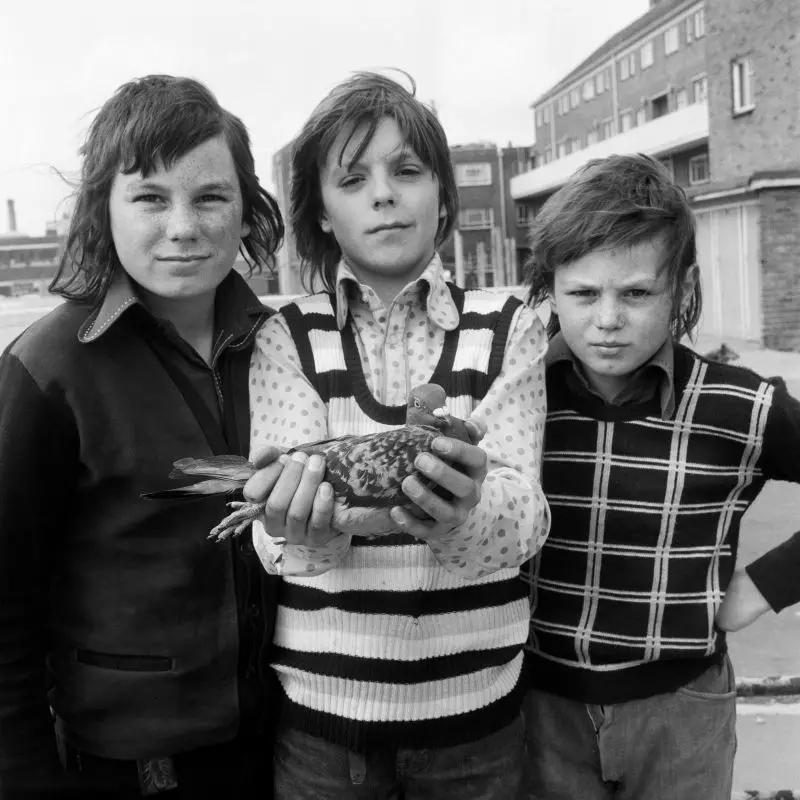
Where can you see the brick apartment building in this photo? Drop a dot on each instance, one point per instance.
(710, 88)
(490, 230)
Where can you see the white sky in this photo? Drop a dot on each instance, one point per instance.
(270, 62)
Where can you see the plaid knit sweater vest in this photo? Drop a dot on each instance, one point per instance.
(645, 528)
(388, 648)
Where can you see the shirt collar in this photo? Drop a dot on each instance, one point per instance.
(430, 290)
(237, 308)
(660, 367)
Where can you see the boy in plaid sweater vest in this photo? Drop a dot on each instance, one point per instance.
(652, 455)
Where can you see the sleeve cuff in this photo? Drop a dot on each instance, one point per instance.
(775, 574)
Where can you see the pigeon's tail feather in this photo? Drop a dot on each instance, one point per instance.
(235, 468)
(200, 489)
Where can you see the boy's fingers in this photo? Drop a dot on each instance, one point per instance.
(319, 526)
(265, 456)
(282, 494)
(258, 487)
(476, 428)
(469, 456)
(444, 475)
(302, 501)
(439, 510)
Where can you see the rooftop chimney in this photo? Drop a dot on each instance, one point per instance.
(12, 217)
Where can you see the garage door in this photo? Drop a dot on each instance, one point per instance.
(729, 259)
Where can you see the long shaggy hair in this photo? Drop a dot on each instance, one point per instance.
(148, 123)
(356, 107)
(612, 203)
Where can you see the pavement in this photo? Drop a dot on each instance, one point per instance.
(766, 656)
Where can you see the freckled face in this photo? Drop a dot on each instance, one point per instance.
(383, 209)
(177, 231)
(615, 309)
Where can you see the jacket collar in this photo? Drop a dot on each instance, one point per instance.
(238, 311)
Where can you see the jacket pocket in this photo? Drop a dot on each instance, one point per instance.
(124, 662)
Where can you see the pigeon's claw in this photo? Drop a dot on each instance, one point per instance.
(238, 521)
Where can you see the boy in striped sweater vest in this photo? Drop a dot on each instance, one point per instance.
(400, 656)
(652, 456)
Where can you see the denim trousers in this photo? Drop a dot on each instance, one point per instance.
(310, 768)
(667, 747)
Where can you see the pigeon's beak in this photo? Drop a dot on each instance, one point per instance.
(443, 415)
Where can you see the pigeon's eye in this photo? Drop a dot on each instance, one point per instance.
(417, 403)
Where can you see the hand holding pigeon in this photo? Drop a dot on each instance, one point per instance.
(366, 472)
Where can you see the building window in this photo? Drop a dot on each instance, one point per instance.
(742, 78)
(671, 40)
(562, 105)
(646, 54)
(624, 74)
(698, 170)
(689, 29)
(625, 121)
(641, 116)
(605, 128)
(588, 89)
(592, 138)
(539, 118)
(699, 20)
(600, 82)
(522, 214)
(632, 64)
(548, 155)
(472, 219)
(700, 89)
(561, 150)
(682, 98)
(474, 174)
(546, 114)
(575, 98)
(659, 106)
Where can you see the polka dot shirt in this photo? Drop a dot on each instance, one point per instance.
(399, 348)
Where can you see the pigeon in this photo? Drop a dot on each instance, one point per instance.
(723, 354)
(366, 472)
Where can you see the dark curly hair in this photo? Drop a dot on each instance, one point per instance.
(149, 122)
(361, 101)
(610, 203)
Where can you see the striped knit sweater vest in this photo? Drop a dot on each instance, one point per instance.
(645, 527)
(388, 648)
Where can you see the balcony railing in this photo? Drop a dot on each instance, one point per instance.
(659, 137)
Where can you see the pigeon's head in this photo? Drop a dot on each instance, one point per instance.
(426, 406)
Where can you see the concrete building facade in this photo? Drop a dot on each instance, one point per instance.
(709, 88)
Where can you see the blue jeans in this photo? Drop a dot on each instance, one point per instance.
(667, 747)
(309, 768)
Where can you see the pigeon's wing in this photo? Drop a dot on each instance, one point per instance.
(369, 470)
(233, 468)
(321, 446)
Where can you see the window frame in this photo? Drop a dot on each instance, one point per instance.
(486, 222)
(459, 168)
(742, 101)
(702, 158)
(701, 80)
(647, 46)
(671, 37)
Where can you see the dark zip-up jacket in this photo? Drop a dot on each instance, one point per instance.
(146, 634)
